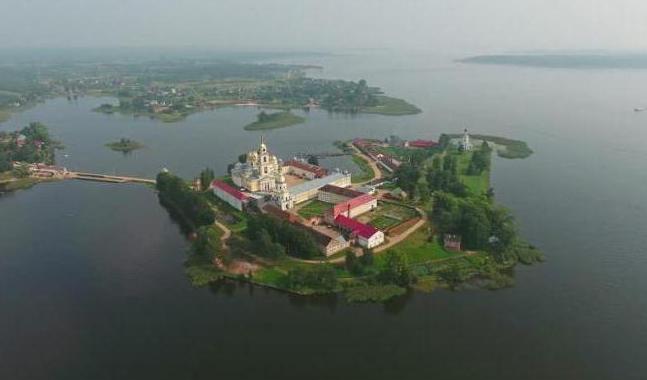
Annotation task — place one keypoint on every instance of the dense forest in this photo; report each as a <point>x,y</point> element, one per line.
<point>193,210</point>
<point>275,237</point>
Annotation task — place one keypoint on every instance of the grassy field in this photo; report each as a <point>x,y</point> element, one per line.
<point>419,249</point>
<point>392,107</point>
<point>383,222</point>
<point>477,184</point>
<point>314,208</point>
<point>275,120</point>
<point>367,171</point>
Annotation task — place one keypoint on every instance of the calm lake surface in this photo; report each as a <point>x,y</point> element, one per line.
<point>91,277</point>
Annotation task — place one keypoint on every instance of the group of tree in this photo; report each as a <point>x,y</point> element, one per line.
<point>294,240</point>
<point>396,269</point>
<point>420,183</point>
<point>206,177</point>
<point>316,277</point>
<point>480,160</point>
<point>175,193</point>
<point>207,243</point>
<point>358,265</point>
<point>445,178</point>
<point>481,224</point>
<point>35,146</point>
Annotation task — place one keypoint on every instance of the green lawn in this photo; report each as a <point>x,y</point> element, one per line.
<point>314,208</point>
<point>367,172</point>
<point>418,249</point>
<point>477,184</point>
<point>270,276</point>
<point>383,222</point>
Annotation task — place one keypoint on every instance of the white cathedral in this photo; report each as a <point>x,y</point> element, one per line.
<point>263,173</point>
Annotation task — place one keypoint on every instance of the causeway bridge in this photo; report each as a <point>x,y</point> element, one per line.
<point>58,172</point>
<point>107,178</point>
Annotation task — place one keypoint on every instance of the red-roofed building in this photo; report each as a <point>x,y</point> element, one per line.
<point>422,144</point>
<point>304,169</point>
<point>367,236</point>
<point>352,207</point>
<point>229,194</point>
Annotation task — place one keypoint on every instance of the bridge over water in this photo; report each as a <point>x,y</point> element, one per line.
<point>108,178</point>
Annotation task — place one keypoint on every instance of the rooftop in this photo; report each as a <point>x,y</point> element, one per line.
<point>352,203</point>
<point>316,183</point>
<point>229,190</point>
<point>423,143</point>
<point>361,229</point>
<point>317,170</point>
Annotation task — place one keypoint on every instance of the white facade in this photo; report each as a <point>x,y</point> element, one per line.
<point>260,172</point>
<point>465,143</point>
<point>309,190</point>
<point>228,198</point>
<point>371,242</point>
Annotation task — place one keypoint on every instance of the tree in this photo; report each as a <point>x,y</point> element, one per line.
<point>316,277</point>
<point>242,158</point>
<point>444,141</point>
<point>436,163</point>
<point>367,258</point>
<point>313,160</point>
<point>353,264</point>
<point>207,242</point>
<point>5,161</point>
<point>206,177</point>
<point>267,247</point>
<point>263,117</point>
<point>408,176</point>
<point>396,269</point>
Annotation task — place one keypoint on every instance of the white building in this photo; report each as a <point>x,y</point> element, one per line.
<point>229,194</point>
<point>465,143</point>
<point>309,190</point>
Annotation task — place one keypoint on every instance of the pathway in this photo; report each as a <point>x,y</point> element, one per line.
<point>377,173</point>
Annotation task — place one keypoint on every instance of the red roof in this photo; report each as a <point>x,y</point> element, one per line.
<point>317,170</point>
<point>352,203</point>
<point>361,229</point>
<point>229,190</point>
<point>423,143</point>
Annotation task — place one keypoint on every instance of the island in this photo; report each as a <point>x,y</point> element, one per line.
<point>426,219</point>
<point>274,121</point>
<point>576,60</point>
<point>124,145</point>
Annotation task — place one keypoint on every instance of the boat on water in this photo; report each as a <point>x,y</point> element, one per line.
<point>639,109</point>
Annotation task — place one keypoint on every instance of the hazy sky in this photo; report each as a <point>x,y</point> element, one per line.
<point>448,25</point>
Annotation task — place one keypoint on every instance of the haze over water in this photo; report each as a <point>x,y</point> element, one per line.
<point>91,277</point>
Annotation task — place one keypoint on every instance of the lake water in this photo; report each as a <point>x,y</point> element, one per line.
<point>91,280</point>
